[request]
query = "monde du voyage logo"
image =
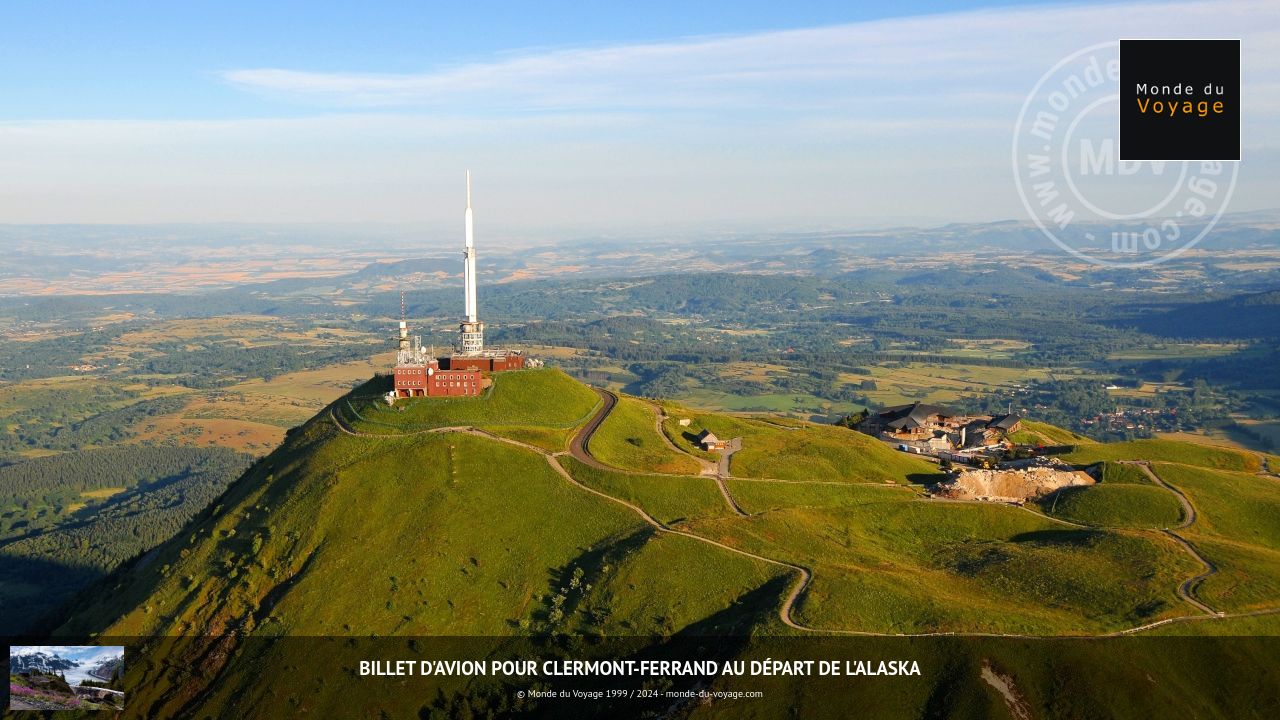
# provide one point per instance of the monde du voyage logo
(1125, 152)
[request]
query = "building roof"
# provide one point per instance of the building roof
(907, 417)
(706, 436)
(1004, 422)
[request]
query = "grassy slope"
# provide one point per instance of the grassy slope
(757, 496)
(543, 398)
(627, 439)
(668, 499)
(340, 535)
(411, 561)
(1114, 473)
(1116, 505)
(808, 452)
(883, 560)
(549, 439)
(1166, 451)
(1238, 529)
(1033, 433)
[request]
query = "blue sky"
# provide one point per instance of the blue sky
(575, 117)
(85, 654)
(148, 60)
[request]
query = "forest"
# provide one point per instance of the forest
(68, 519)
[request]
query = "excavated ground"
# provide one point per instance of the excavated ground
(1012, 486)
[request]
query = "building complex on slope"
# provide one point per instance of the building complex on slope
(419, 373)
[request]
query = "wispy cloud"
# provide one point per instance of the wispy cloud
(905, 119)
(954, 58)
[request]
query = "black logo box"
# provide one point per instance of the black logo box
(1205, 73)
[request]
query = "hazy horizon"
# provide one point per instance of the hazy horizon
(829, 121)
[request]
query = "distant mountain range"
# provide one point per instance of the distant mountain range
(107, 668)
(41, 661)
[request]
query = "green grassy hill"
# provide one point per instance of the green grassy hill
(1238, 529)
(539, 406)
(627, 440)
(884, 558)
(794, 450)
(1118, 505)
(397, 531)
(1168, 451)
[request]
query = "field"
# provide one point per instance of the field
(627, 440)
(986, 348)
(243, 435)
(985, 568)
(1176, 350)
(1115, 473)
(801, 403)
(756, 496)
(216, 395)
(252, 415)
(102, 493)
(899, 383)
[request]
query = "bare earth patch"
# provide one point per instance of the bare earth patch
(1012, 486)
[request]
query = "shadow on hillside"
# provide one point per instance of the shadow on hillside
(926, 478)
(34, 591)
(747, 612)
(1048, 500)
(1075, 538)
(587, 570)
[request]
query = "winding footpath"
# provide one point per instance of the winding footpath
(1188, 586)
(579, 449)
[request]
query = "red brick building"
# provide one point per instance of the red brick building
(428, 380)
(490, 361)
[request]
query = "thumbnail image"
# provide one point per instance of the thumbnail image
(66, 677)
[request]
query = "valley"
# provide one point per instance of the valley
(577, 502)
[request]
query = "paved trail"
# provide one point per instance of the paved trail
(578, 445)
(731, 447)
(804, 575)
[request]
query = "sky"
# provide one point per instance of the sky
(88, 655)
(574, 118)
